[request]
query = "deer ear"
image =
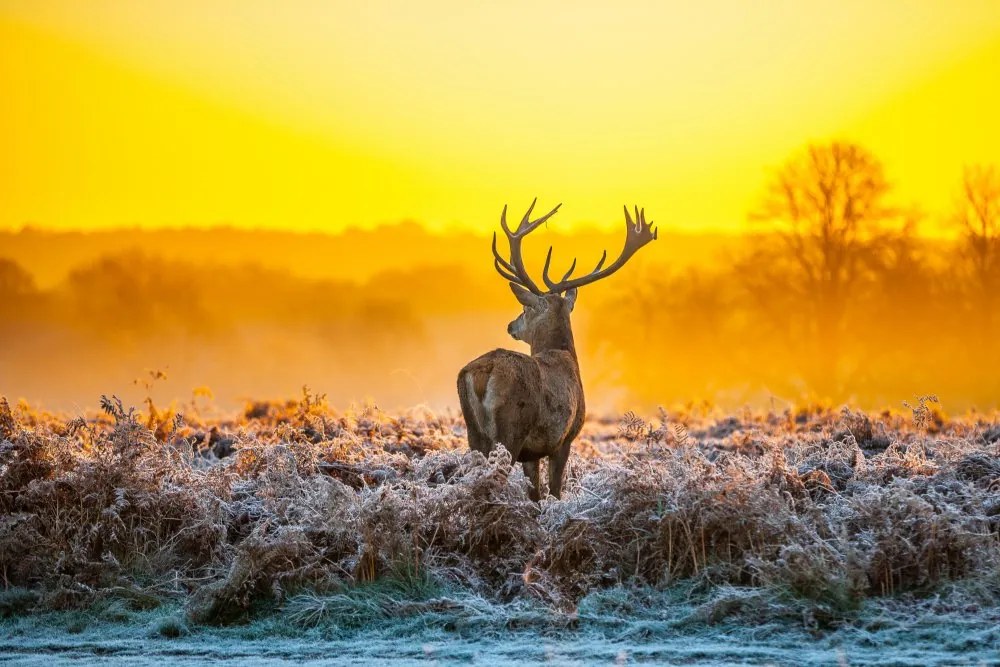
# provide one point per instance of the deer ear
(570, 298)
(524, 296)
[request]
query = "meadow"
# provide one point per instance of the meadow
(695, 535)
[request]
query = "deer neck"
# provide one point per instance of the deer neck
(558, 336)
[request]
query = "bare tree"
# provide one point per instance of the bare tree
(977, 215)
(826, 210)
(17, 290)
(15, 281)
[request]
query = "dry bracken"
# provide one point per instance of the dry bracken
(302, 499)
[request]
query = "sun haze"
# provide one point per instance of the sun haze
(321, 116)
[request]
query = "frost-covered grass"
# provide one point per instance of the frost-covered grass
(296, 520)
(616, 626)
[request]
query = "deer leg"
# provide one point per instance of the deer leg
(557, 465)
(503, 423)
(533, 473)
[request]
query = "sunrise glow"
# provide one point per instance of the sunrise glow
(320, 116)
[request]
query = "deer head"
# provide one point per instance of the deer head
(542, 317)
(545, 319)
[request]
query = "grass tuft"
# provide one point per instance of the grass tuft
(171, 626)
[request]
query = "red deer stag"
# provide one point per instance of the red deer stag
(533, 405)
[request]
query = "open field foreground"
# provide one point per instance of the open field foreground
(296, 532)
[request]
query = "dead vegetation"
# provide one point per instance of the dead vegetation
(301, 506)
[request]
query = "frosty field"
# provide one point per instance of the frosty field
(446, 630)
(297, 532)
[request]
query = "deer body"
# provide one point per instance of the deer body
(533, 404)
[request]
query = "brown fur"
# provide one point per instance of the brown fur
(531, 404)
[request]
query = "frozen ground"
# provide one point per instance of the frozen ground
(734, 627)
(297, 533)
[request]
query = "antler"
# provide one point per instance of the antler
(514, 270)
(637, 234)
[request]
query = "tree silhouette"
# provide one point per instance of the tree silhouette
(977, 215)
(17, 290)
(827, 210)
(15, 281)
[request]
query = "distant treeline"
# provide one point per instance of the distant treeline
(242, 330)
(831, 295)
(837, 298)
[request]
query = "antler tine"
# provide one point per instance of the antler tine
(545, 271)
(604, 256)
(504, 274)
(525, 220)
(500, 260)
(637, 234)
(503, 221)
(513, 270)
(504, 268)
(527, 225)
(570, 271)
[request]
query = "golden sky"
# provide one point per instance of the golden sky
(320, 115)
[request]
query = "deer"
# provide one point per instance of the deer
(533, 404)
